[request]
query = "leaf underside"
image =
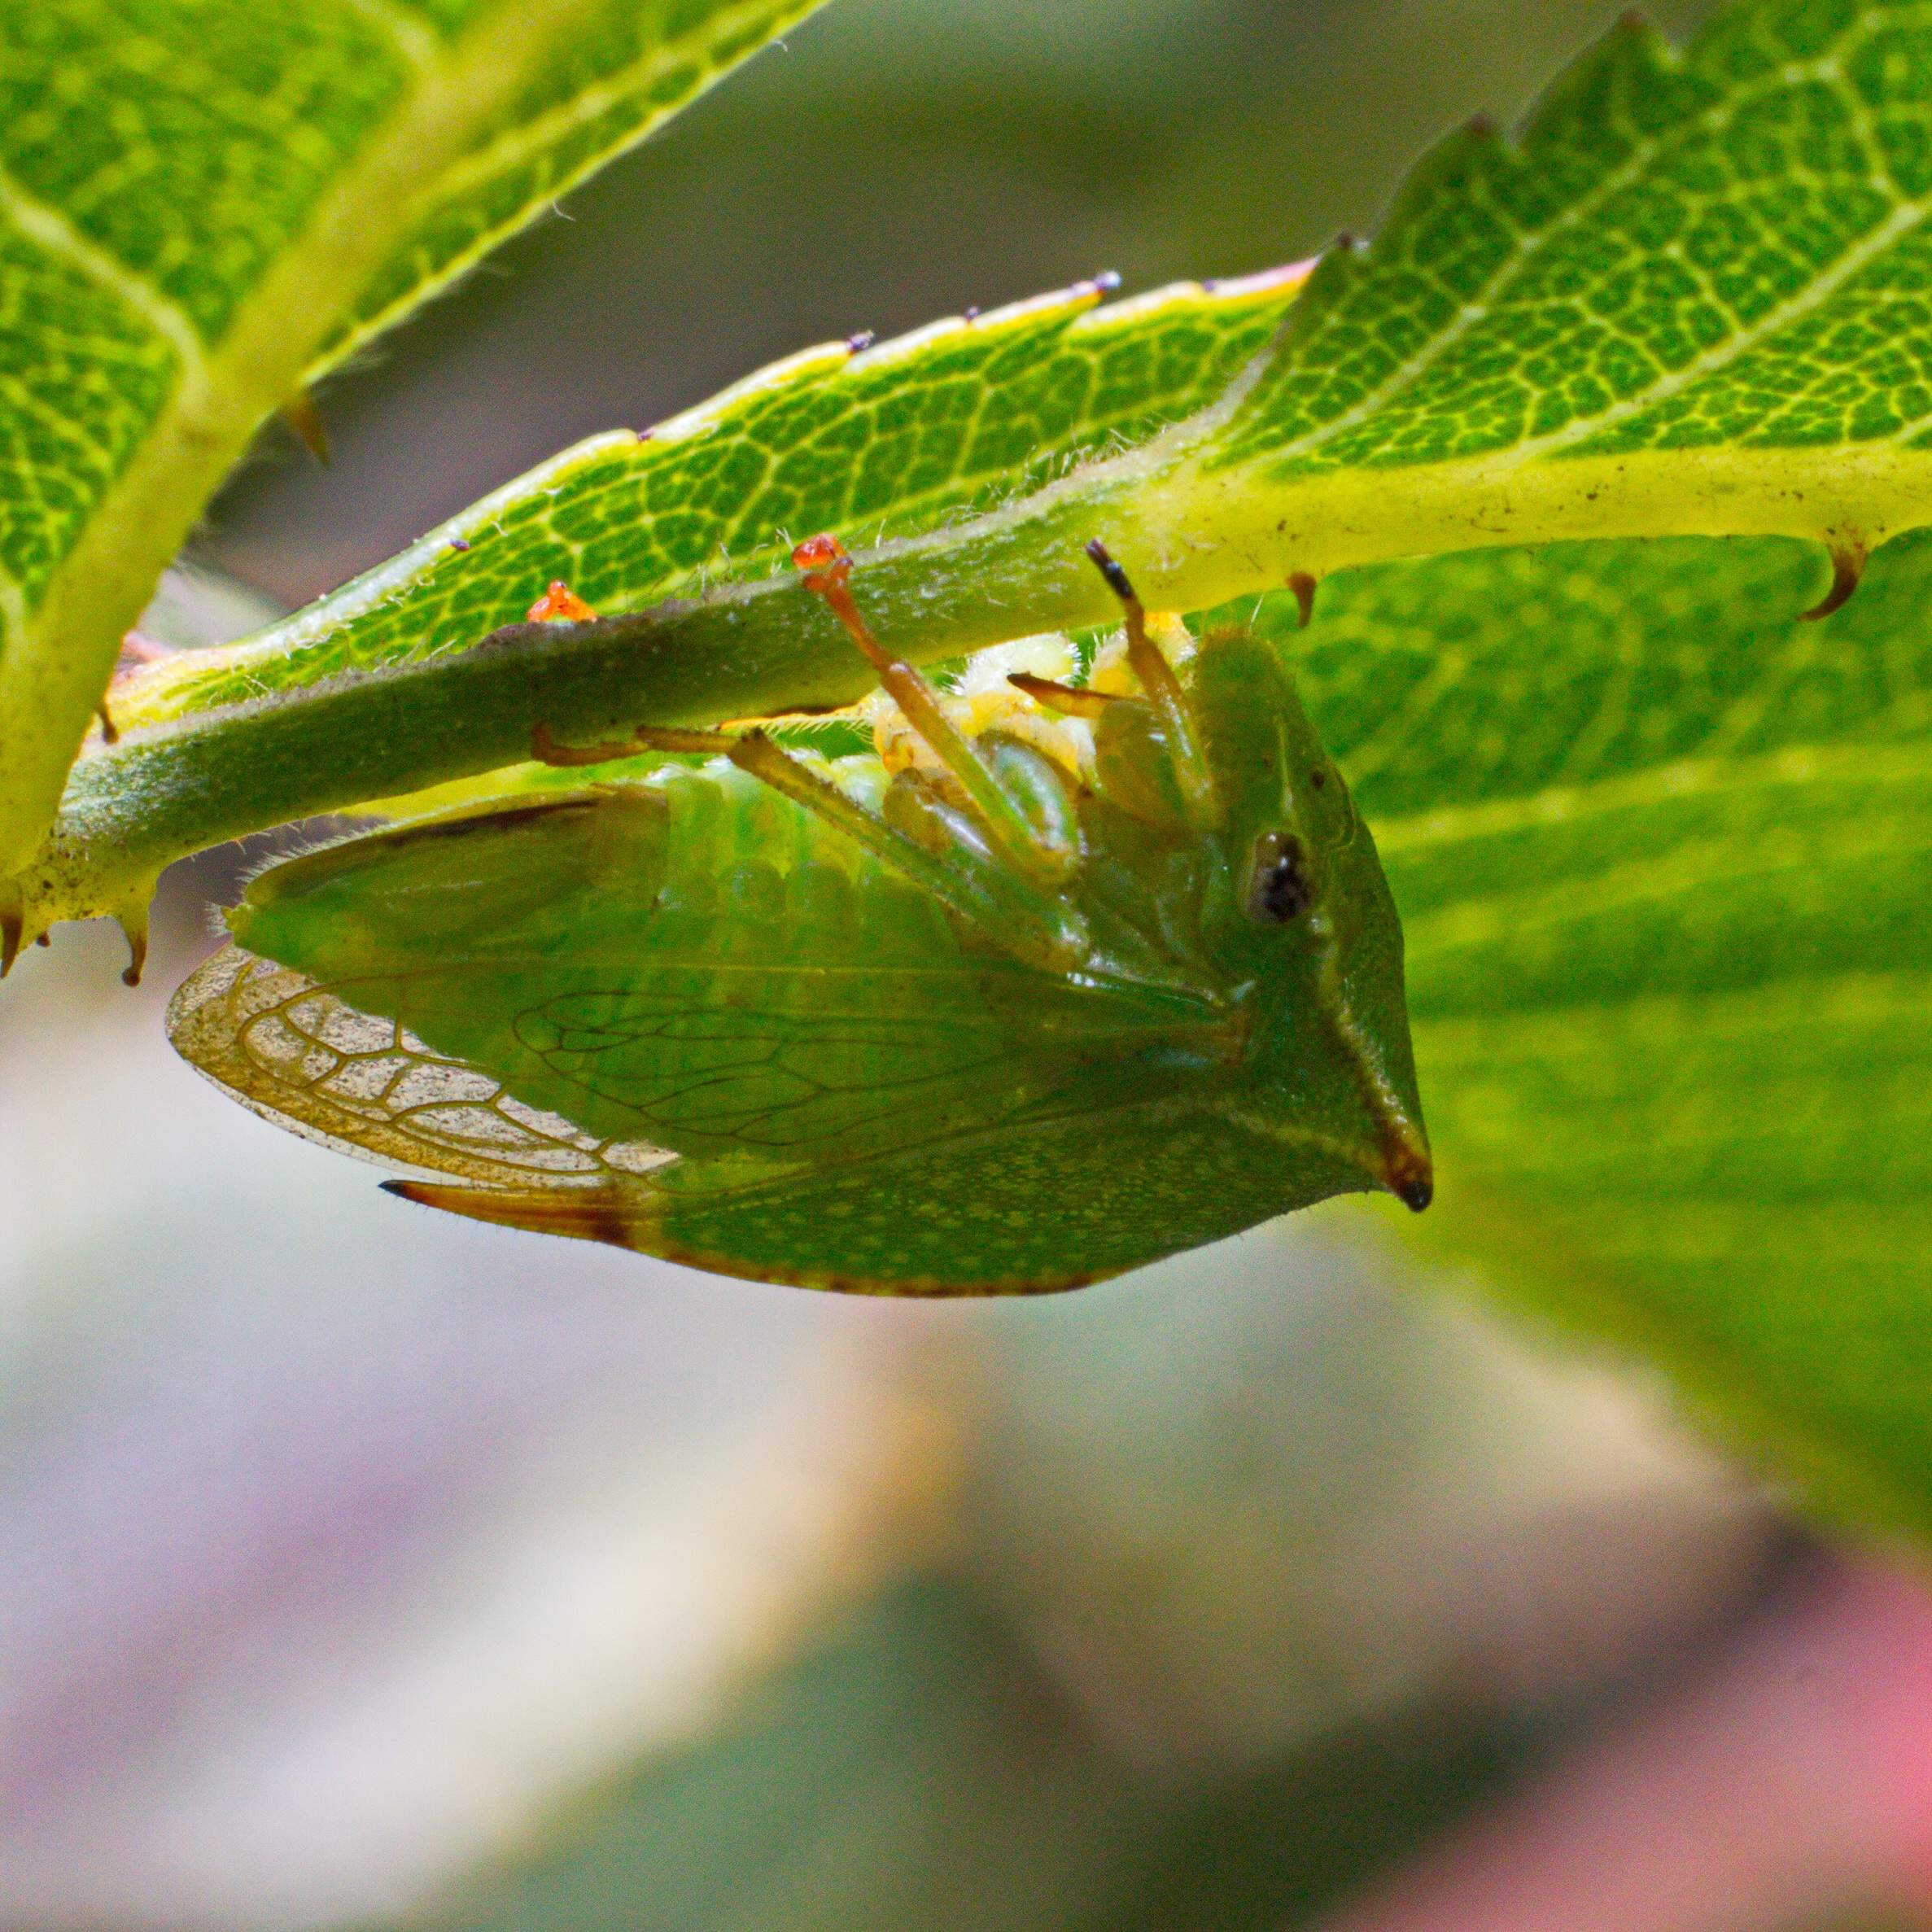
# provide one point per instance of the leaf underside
(1662, 852)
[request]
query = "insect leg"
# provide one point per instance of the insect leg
(1165, 694)
(1067, 700)
(546, 750)
(1032, 925)
(828, 571)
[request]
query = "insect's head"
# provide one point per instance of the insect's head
(1287, 821)
(1229, 754)
(1305, 919)
(1312, 915)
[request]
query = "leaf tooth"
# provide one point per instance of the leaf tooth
(1847, 566)
(133, 920)
(302, 415)
(1303, 584)
(1632, 61)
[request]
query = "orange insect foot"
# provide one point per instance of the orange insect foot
(560, 605)
(826, 562)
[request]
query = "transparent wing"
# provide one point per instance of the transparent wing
(598, 983)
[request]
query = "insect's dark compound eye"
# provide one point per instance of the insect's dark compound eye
(1279, 889)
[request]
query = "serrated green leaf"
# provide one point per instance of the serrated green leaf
(1663, 857)
(202, 205)
(1662, 848)
(874, 442)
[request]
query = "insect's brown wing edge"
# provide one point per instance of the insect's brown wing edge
(632, 1218)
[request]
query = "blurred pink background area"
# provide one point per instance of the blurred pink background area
(1786, 1773)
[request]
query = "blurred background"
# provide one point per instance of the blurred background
(361, 1566)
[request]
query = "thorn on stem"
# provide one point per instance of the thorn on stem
(302, 415)
(1303, 587)
(1847, 566)
(109, 734)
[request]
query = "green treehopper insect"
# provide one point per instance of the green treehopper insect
(1098, 974)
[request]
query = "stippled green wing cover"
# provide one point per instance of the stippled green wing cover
(1663, 855)
(691, 966)
(205, 203)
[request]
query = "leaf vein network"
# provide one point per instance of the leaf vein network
(49, 228)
